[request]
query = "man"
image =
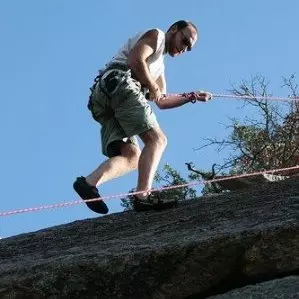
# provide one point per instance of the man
(119, 101)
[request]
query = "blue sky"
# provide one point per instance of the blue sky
(50, 53)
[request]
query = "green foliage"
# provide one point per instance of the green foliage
(172, 177)
(126, 202)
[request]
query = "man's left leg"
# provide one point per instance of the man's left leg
(124, 162)
(116, 166)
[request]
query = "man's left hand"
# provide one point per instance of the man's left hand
(203, 96)
(200, 96)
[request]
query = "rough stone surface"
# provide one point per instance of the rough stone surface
(202, 248)
(284, 288)
(251, 181)
(248, 182)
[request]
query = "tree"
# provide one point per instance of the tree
(268, 141)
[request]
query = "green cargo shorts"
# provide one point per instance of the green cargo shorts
(119, 105)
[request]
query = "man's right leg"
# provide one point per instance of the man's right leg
(155, 143)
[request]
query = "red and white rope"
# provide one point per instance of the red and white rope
(72, 203)
(195, 183)
(255, 97)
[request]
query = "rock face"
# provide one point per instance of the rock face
(284, 288)
(202, 248)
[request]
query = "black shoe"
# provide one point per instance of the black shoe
(87, 191)
(153, 202)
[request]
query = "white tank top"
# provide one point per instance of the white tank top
(156, 60)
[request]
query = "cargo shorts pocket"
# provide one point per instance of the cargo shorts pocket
(111, 82)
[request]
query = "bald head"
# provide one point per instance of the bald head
(181, 37)
(181, 25)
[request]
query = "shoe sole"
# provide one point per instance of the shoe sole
(97, 206)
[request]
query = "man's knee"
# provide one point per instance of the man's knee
(131, 152)
(154, 136)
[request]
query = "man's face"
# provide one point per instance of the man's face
(181, 41)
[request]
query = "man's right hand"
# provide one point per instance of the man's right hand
(155, 94)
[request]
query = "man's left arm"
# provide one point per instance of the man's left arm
(168, 101)
(177, 100)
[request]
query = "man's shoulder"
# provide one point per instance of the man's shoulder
(159, 31)
(156, 35)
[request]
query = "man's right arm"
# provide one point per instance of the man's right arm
(137, 58)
